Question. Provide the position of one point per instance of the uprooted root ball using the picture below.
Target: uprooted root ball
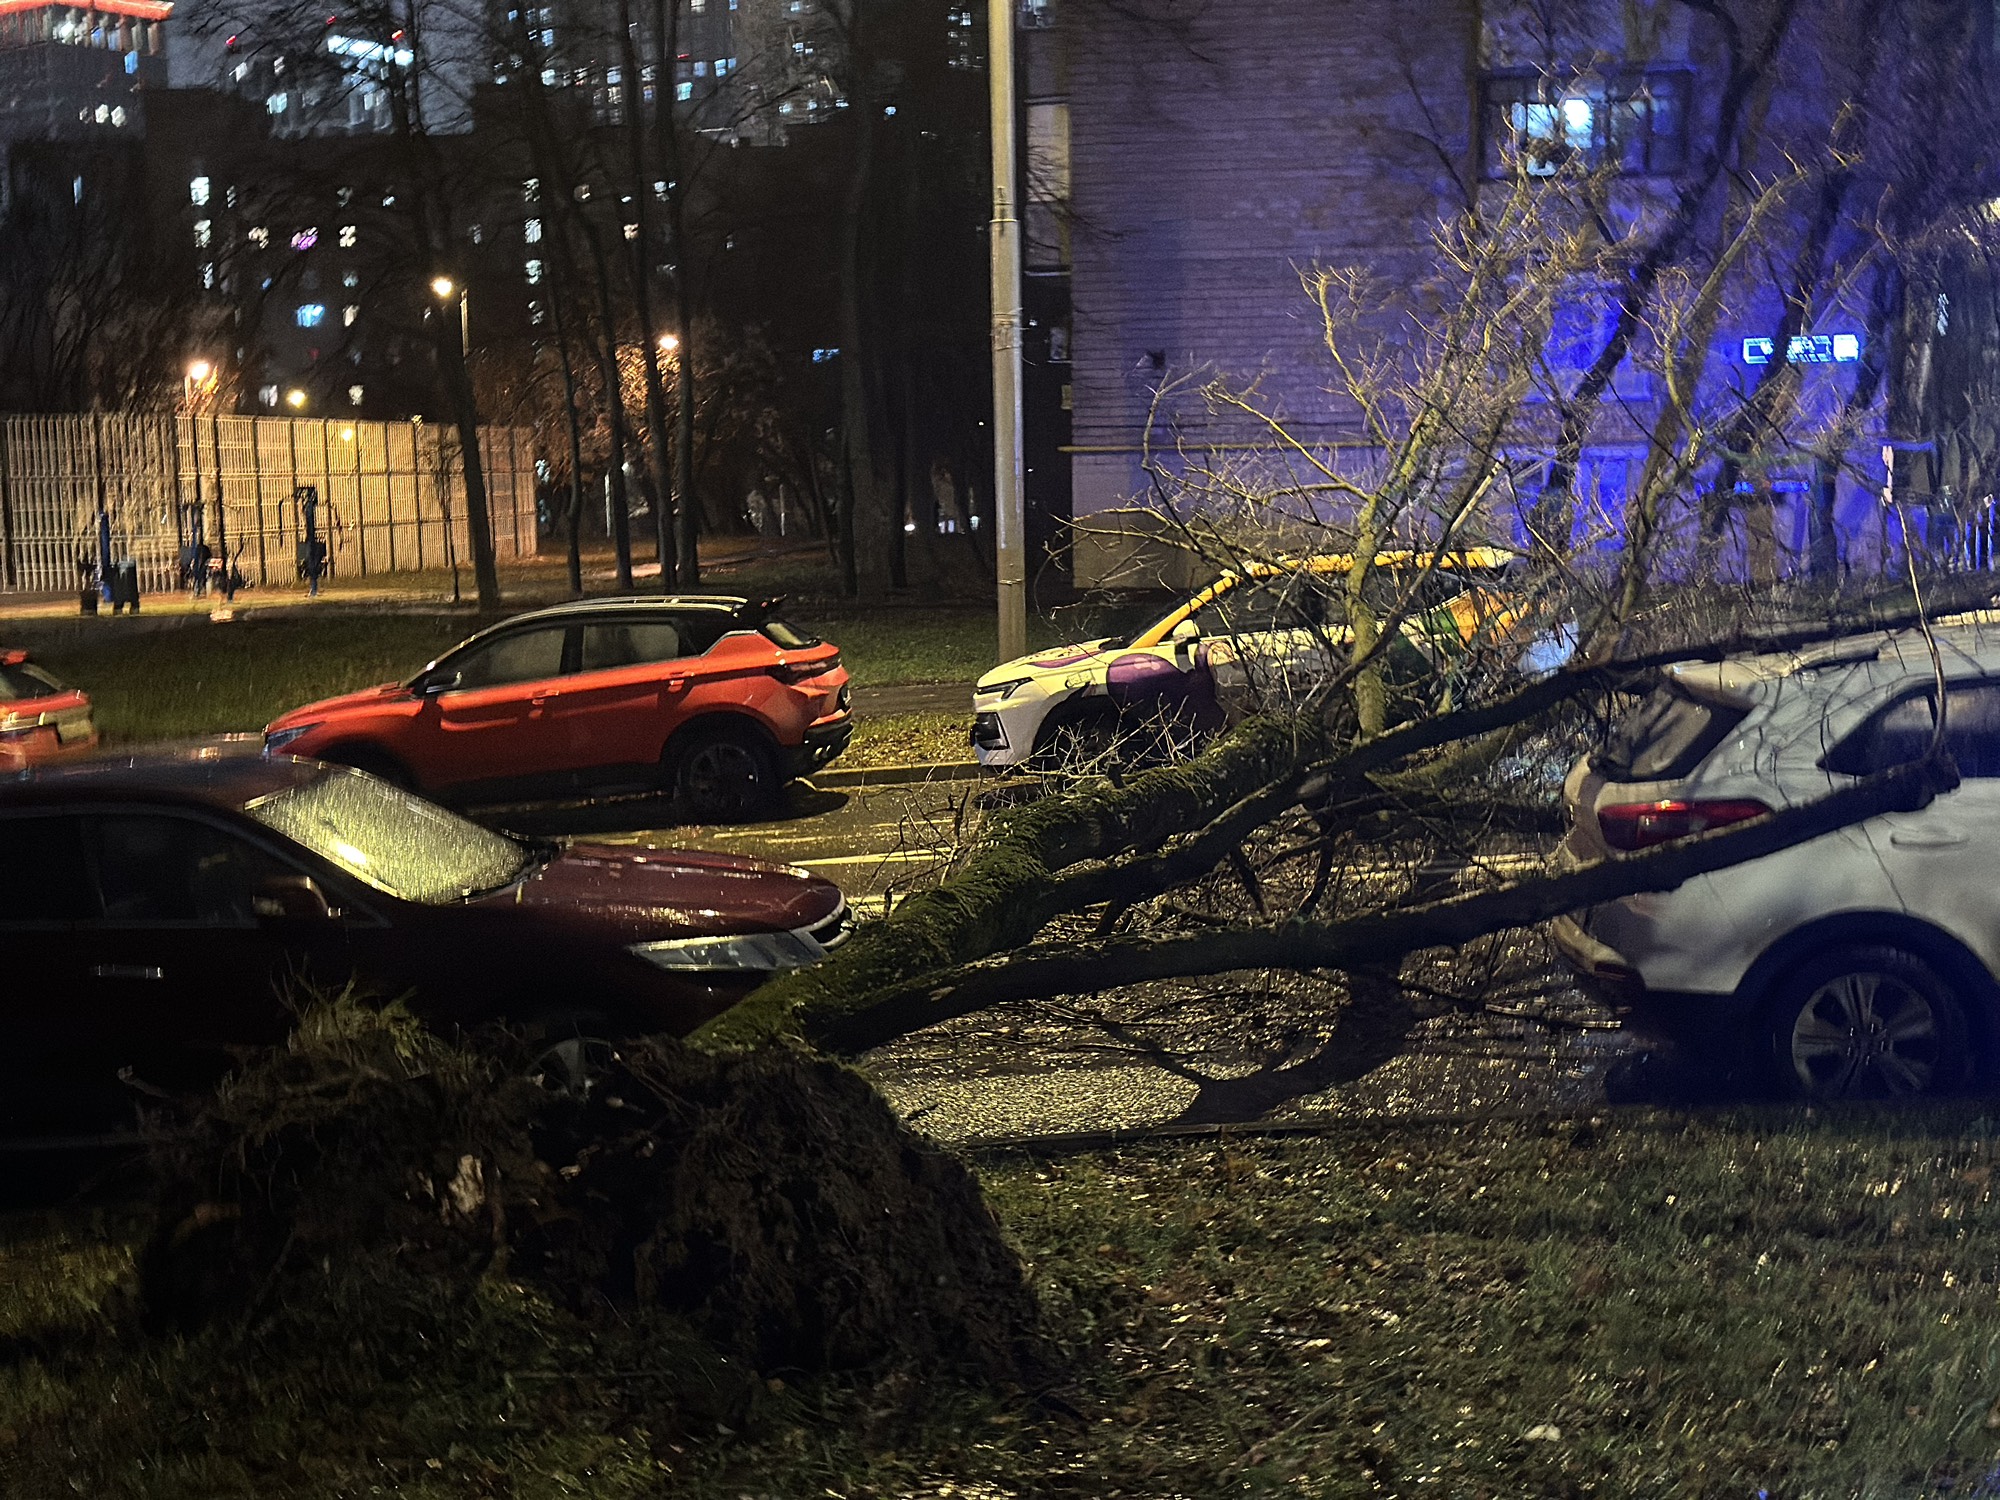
(771, 1198)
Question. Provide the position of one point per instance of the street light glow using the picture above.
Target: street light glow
(669, 343)
(200, 370)
(445, 287)
(295, 399)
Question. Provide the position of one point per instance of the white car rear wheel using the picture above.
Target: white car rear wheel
(1868, 1023)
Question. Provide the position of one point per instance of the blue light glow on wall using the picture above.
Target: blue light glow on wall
(1807, 349)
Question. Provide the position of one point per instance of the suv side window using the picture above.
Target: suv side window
(1901, 732)
(43, 878)
(630, 643)
(156, 868)
(523, 656)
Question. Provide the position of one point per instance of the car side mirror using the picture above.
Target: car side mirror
(292, 898)
(438, 682)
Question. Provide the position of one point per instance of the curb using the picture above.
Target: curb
(865, 776)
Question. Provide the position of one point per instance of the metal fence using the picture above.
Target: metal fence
(390, 495)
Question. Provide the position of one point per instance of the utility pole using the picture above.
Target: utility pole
(1010, 555)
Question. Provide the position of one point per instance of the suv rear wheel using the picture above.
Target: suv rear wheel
(723, 775)
(1868, 1023)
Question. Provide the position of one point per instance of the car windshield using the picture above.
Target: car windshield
(20, 680)
(392, 839)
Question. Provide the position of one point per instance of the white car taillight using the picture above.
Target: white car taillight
(1640, 825)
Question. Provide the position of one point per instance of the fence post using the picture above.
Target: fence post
(7, 504)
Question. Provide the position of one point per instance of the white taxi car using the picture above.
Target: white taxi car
(1261, 625)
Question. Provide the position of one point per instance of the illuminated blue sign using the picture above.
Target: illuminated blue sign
(1807, 349)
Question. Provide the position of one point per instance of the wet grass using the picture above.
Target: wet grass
(908, 739)
(203, 678)
(1636, 1305)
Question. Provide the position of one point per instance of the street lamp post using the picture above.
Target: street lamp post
(447, 290)
(1010, 555)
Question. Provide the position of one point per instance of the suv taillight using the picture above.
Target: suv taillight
(1640, 825)
(799, 671)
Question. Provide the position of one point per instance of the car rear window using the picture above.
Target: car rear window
(1666, 736)
(788, 636)
(22, 680)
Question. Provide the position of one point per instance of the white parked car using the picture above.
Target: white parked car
(1858, 965)
(1251, 628)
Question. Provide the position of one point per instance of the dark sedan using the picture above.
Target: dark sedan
(157, 912)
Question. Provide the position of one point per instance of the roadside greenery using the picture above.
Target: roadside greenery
(1635, 1304)
(168, 682)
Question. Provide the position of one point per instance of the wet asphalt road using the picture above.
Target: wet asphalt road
(1242, 1049)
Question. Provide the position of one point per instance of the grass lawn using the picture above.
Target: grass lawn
(908, 740)
(210, 679)
(1638, 1305)
(200, 678)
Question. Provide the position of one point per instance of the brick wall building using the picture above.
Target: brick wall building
(1215, 152)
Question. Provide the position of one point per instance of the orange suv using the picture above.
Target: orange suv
(711, 698)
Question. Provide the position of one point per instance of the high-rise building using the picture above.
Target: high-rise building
(77, 70)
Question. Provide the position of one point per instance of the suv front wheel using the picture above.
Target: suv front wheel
(1868, 1023)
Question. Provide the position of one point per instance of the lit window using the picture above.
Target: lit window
(701, 70)
(117, 114)
(268, 394)
(260, 237)
(202, 233)
(696, 7)
(347, 236)
(537, 314)
(534, 272)
(229, 197)
(103, 114)
(531, 189)
(721, 66)
(277, 104)
(306, 238)
(311, 314)
(477, 234)
(548, 78)
(531, 231)
(198, 191)
(685, 91)
(208, 276)
(388, 200)
(631, 231)
(354, 395)
(76, 189)
(1631, 122)
(349, 313)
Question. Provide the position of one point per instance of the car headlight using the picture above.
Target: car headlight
(754, 952)
(284, 737)
(1006, 689)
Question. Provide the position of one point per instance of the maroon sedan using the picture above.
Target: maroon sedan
(157, 912)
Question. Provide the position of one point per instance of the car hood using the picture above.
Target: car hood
(646, 895)
(312, 712)
(1057, 659)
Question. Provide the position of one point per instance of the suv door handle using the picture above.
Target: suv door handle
(1935, 839)
(676, 684)
(127, 971)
